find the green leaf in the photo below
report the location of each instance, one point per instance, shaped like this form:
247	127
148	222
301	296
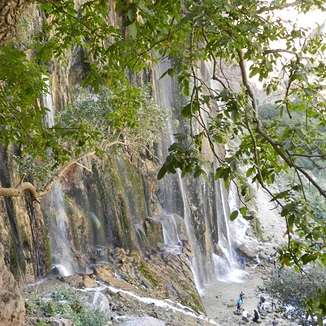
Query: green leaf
234	215
248	217
162	172
307	258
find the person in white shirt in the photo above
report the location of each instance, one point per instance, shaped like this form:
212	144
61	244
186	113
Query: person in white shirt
244	315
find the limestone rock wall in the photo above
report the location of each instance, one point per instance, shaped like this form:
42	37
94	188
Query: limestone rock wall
12	305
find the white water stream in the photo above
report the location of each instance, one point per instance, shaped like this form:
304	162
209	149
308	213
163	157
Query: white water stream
62	257
170	233
179	201
182	200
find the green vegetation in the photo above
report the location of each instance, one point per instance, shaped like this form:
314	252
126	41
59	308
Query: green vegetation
299	291
144	270
67	305
125	119
193	302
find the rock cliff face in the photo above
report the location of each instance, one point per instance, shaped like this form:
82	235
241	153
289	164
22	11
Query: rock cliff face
12	306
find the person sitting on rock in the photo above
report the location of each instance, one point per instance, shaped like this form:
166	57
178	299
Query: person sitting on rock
244	315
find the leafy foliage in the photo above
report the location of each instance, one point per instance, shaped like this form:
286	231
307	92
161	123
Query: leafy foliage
113	120
125	115
67	305
298	290
22	81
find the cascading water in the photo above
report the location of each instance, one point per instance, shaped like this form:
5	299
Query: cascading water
239	226
224	239
170	233
48	103
183	197
228	232
62	258
228	269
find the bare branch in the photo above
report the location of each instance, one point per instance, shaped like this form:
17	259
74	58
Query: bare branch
16	192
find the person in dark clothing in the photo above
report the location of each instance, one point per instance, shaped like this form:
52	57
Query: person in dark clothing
241	296
256	316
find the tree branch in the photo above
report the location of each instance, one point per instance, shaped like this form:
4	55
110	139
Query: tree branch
16	192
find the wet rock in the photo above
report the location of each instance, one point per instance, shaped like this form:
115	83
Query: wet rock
89	282
104	274
218	250
186	248
73	280
120	255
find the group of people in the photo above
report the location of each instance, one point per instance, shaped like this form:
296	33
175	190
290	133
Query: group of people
244	312
261	306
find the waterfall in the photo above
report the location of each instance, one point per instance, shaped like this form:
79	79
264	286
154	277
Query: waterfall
204	211
62	258
239	226
48	103
172	194
228	232
191	233
235	233
170	233
223	256
60	248
184	197
224	239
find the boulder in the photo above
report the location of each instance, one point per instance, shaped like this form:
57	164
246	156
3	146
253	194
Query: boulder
244	251
101	301
148	321
89	282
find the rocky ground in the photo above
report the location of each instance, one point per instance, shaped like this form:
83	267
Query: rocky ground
53	300
131	291
120	307
220	298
